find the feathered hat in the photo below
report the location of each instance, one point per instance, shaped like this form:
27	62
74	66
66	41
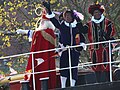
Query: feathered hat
68	11
94	7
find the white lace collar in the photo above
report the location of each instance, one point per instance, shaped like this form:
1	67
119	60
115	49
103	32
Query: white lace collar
98	21
73	24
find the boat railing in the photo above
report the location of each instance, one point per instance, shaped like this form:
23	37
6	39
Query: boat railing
68	48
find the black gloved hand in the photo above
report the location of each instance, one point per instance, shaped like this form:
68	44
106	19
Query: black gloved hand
77	19
47	5
79	48
102	35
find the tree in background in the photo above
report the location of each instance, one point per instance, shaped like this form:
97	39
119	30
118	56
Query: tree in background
16	14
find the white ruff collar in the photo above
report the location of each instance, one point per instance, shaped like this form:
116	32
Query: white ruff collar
98	21
73	24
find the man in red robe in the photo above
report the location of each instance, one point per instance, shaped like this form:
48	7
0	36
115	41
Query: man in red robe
43	39
99	29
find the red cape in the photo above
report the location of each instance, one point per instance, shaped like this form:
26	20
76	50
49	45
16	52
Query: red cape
43	40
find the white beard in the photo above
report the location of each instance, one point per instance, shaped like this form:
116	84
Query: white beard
45	24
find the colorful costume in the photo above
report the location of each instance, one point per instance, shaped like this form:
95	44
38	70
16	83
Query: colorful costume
68	32
99	30
43	39
99	52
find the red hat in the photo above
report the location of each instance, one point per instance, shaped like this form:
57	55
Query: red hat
94	7
43	15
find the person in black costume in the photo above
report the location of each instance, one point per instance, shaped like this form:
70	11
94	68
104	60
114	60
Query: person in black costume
71	33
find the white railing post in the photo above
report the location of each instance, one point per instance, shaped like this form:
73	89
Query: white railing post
70	66
33	72
110	61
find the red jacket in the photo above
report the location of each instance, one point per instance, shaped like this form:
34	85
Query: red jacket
43	40
100	53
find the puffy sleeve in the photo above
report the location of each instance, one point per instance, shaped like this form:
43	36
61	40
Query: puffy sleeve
53	20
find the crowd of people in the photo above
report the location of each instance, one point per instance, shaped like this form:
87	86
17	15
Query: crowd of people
72	32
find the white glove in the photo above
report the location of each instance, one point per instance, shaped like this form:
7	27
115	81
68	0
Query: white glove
62	46
63	49
83	45
20	31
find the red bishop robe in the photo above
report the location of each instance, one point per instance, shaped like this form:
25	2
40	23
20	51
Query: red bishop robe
100	53
43	40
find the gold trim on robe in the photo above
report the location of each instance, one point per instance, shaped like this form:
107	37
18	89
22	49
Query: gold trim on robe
48	37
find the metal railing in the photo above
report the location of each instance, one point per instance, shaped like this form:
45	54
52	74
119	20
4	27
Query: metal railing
68	48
